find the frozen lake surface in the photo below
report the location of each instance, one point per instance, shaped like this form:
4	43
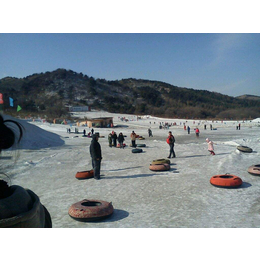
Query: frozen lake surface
182	197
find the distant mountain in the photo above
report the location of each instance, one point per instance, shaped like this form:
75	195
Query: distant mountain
51	92
249	97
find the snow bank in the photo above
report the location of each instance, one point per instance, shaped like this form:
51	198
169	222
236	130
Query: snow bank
35	137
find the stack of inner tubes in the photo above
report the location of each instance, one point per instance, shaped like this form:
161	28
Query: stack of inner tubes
160	165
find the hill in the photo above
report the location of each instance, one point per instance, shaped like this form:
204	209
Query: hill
49	93
249	97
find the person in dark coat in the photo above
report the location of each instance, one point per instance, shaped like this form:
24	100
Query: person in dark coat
150	132
121	140
114	138
95	152
171	140
110	140
188	129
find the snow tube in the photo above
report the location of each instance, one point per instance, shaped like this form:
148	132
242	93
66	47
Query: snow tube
137	150
22	209
84	175
254	170
90	210
244	149
141	145
159	167
141	138
226	181
161	161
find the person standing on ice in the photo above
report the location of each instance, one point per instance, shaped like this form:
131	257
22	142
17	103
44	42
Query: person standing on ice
133	138
171	140
210	146
121	140
188	129
114	138
197	132
110	140
95	152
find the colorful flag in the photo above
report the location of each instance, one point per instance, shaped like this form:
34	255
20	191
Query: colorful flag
1	99
11	102
18	108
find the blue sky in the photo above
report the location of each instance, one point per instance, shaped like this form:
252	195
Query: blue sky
221	62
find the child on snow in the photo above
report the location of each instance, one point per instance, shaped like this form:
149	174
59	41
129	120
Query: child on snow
210	146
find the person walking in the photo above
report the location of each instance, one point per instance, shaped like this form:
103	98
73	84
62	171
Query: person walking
210	146
150	132
171	140
133	138
121	140
188	129
95	152
197	132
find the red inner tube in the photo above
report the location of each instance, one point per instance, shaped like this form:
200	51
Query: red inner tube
91	210
84	175
226	181
159	167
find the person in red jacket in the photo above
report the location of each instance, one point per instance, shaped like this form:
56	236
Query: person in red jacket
171	140
197	131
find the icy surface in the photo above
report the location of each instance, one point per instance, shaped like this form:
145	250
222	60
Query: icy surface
49	157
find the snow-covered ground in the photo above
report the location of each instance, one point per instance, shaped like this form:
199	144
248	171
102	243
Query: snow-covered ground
49	158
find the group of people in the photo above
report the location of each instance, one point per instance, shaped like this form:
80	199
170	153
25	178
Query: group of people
95	148
113	138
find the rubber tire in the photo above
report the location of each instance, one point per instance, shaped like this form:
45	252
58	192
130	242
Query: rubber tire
137	150
141	145
244	149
